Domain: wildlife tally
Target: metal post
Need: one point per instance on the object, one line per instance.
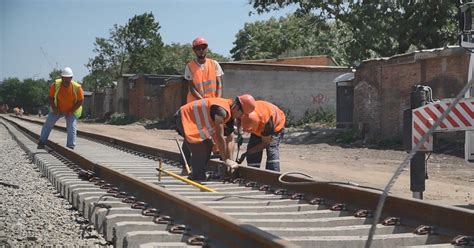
(417, 163)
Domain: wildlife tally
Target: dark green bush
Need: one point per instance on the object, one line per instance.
(318, 116)
(348, 137)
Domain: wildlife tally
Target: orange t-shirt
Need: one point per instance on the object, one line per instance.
(66, 99)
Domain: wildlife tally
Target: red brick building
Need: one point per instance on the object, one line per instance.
(382, 87)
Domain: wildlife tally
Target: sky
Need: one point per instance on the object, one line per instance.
(37, 36)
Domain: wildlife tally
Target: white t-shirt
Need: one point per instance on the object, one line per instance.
(189, 76)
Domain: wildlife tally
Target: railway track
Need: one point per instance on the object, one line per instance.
(114, 184)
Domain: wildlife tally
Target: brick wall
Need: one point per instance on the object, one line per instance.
(382, 87)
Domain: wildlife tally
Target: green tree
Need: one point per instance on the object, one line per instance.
(55, 74)
(134, 48)
(9, 91)
(29, 94)
(293, 35)
(382, 28)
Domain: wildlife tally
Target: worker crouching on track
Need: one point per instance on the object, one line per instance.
(266, 126)
(65, 99)
(207, 121)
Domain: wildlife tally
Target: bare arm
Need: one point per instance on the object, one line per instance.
(219, 87)
(193, 90)
(221, 143)
(260, 146)
(77, 105)
(52, 105)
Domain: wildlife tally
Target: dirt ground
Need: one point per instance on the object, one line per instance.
(315, 152)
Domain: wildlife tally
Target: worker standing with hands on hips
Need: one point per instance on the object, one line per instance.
(206, 122)
(266, 127)
(65, 100)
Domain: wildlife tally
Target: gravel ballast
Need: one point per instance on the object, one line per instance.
(32, 213)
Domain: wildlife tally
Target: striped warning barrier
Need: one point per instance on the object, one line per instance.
(460, 118)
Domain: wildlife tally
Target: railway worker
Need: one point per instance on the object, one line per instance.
(204, 78)
(266, 127)
(203, 74)
(65, 99)
(206, 122)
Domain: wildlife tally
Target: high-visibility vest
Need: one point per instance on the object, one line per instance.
(197, 122)
(75, 88)
(265, 111)
(204, 81)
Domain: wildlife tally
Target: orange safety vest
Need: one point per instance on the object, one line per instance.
(197, 122)
(265, 111)
(204, 81)
(75, 87)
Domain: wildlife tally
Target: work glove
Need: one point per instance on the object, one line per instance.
(240, 139)
(242, 158)
(231, 165)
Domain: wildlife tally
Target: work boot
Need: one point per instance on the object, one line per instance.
(40, 145)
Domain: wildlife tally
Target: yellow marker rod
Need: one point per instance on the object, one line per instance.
(161, 168)
(190, 182)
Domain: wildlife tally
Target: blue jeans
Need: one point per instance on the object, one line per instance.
(273, 152)
(71, 126)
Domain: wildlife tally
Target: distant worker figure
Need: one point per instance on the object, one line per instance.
(203, 74)
(207, 121)
(266, 126)
(65, 99)
(16, 111)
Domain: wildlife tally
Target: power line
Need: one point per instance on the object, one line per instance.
(46, 57)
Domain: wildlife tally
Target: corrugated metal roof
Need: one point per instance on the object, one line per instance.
(344, 77)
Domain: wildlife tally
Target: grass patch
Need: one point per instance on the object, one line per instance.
(348, 137)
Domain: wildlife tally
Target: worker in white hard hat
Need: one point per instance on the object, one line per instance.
(65, 100)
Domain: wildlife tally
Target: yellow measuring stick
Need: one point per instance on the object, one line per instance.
(190, 182)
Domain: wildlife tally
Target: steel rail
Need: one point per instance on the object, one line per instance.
(448, 220)
(217, 226)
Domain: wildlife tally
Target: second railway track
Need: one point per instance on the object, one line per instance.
(114, 184)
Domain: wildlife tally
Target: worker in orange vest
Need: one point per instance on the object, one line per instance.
(203, 74)
(204, 79)
(266, 127)
(65, 99)
(206, 122)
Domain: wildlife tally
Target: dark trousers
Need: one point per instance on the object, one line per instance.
(273, 152)
(198, 154)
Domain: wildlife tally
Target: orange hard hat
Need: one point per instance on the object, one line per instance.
(199, 41)
(250, 122)
(247, 103)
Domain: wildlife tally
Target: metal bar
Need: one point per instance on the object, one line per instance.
(190, 182)
(220, 228)
(184, 157)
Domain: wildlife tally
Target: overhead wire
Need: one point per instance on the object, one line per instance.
(413, 151)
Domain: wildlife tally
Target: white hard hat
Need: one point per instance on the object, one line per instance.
(66, 72)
